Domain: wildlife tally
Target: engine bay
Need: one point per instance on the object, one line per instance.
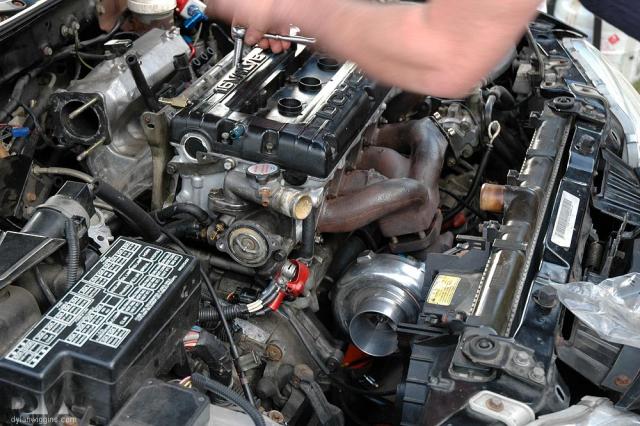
(184, 241)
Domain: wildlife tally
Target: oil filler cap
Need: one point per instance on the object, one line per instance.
(263, 172)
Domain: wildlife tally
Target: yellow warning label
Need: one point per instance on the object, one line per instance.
(443, 289)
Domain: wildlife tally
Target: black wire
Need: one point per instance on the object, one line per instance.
(224, 33)
(33, 115)
(44, 287)
(474, 186)
(235, 354)
(96, 56)
(462, 201)
(217, 388)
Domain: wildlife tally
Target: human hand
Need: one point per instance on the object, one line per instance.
(255, 36)
(258, 17)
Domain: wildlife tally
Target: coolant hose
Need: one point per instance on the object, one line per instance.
(148, 227)
(217, 388)
(170, 212)
(73, 253)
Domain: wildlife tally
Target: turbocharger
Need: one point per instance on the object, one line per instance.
(376, 294)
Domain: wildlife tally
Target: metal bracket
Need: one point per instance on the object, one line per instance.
(499, 353)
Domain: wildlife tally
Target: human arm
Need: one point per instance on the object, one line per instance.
(442, 48)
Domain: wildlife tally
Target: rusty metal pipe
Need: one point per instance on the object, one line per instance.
(426, 146)
(411, 156)
(355, 210)
(492, 198)
(387, 161)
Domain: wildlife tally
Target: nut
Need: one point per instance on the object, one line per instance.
(521, 358)
(229, 164)
(494, 404)
(273, 352)
(622, 381)
(537, 374)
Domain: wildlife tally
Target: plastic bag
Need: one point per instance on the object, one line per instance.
(611, 308)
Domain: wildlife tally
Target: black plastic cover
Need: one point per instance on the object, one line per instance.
(299, 110)
(164, 404)
(122, 323)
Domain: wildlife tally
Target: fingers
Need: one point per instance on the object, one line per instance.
(253, 37)
(256, 17)
(285, 30)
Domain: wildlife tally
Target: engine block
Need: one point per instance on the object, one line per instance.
(299, 110)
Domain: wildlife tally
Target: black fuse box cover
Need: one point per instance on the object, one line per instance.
(300, 110)
(158, 403)
(121, 324)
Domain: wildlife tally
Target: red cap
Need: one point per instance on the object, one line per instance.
(181, 4)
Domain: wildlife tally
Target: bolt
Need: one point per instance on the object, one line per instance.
(265, 194)
(537, 374)
(276, 416)
(521, 358)
(171, 168)
(332, 364)
(31, 197)
(274, 353)
(622, 381)
(545, 297)
(84, 154)
(494, 404)
(17, 403)
(47, 51)
(484, 343)
(75, 114)
(229, 164)
(563, 102)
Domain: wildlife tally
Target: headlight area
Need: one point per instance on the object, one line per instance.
(623, 98)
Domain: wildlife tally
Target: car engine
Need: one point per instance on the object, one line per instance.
(184, 241)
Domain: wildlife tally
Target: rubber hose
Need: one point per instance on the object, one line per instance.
(148, 227)
(308, 236)
(504, 98)
(16, 94)
(170, 212)
(217, 388)
(209, 314)
(73, 253)
(345, 256)
(150, 99)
